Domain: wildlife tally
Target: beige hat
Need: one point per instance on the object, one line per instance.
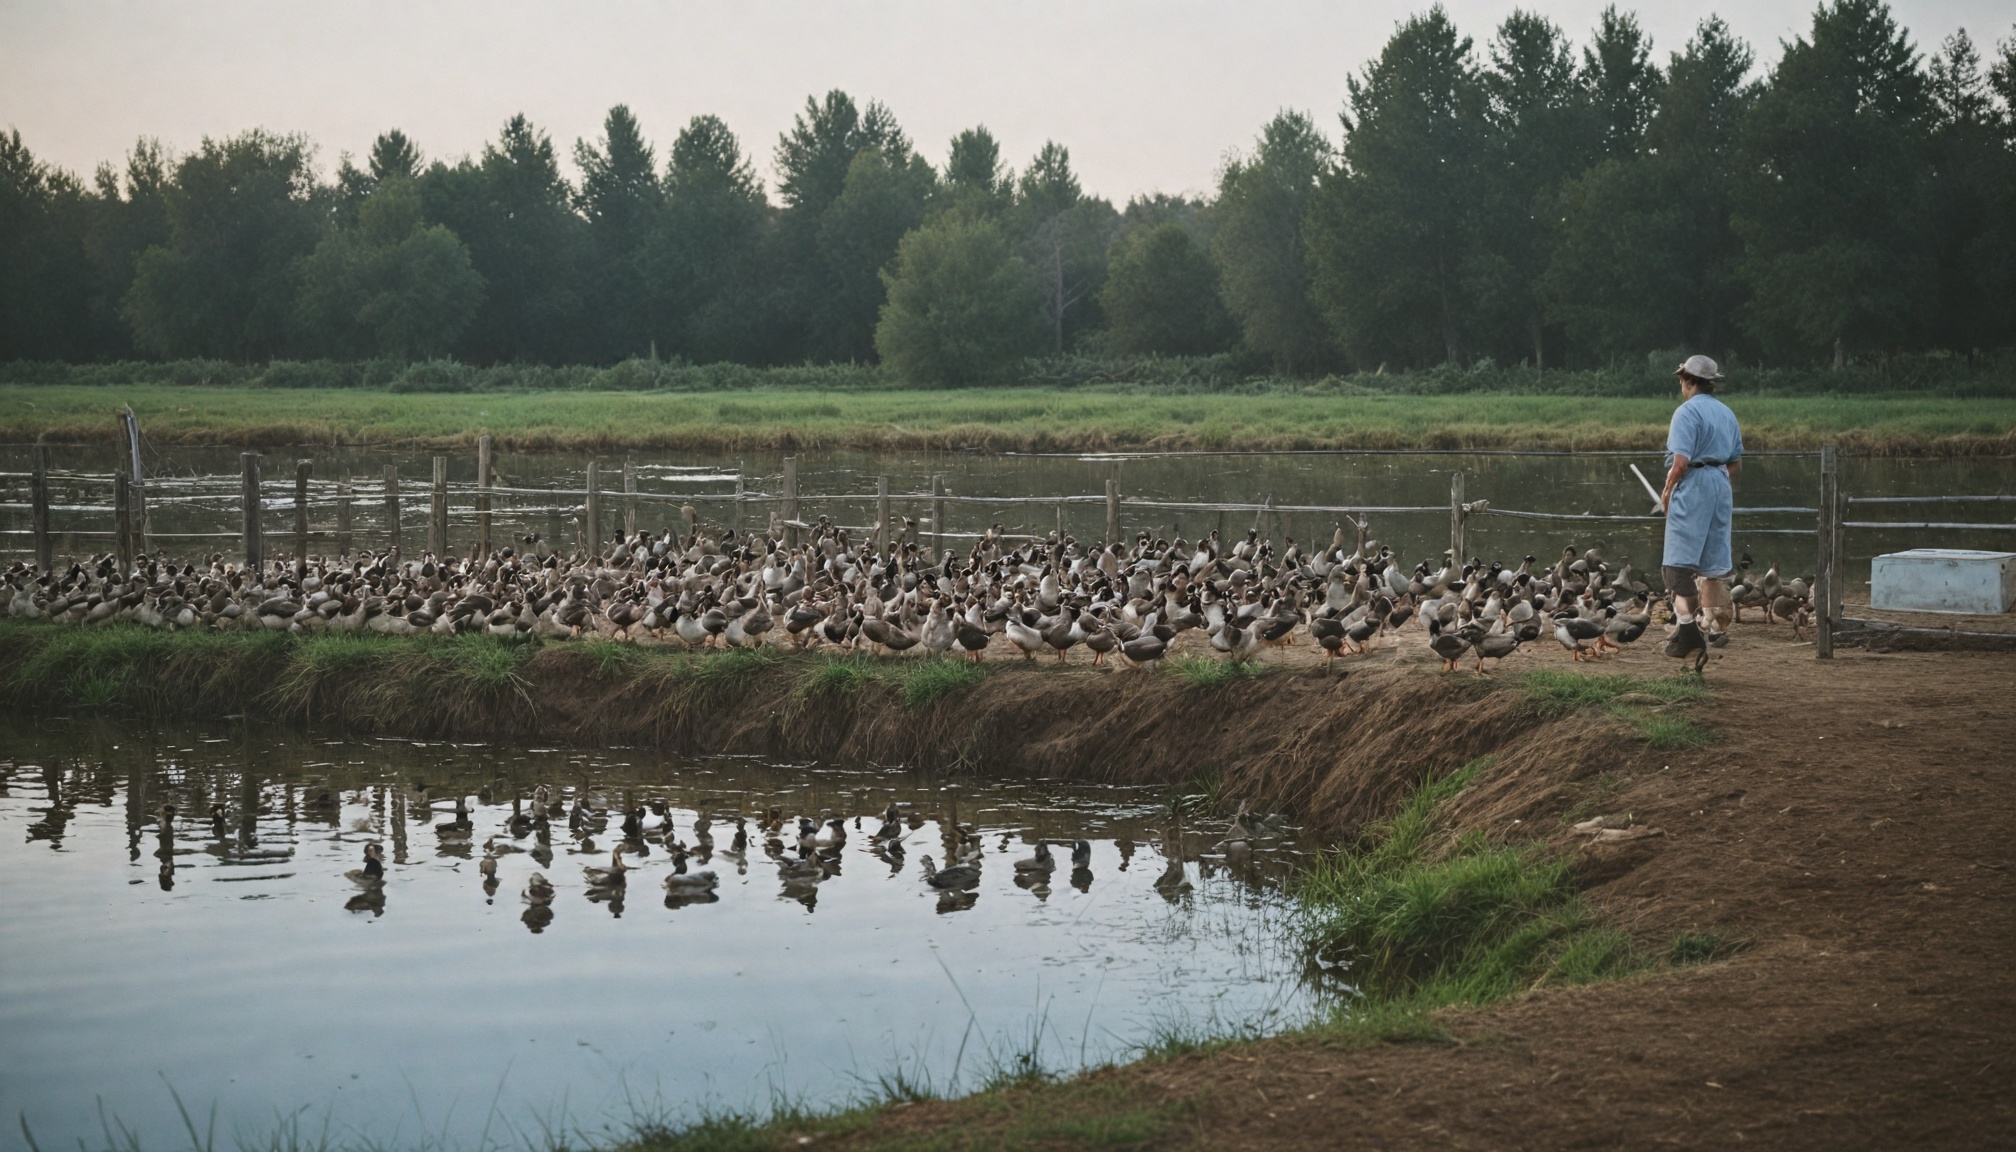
(1700, 368)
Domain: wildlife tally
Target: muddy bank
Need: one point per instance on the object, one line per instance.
(1330, 750)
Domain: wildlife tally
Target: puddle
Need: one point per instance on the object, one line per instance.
(236, 961)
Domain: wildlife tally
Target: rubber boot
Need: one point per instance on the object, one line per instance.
(1686, 641)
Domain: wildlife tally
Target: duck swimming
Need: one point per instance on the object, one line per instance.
(373, 871)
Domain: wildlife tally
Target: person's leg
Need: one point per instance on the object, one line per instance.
(1683, 585)
(1717, 610)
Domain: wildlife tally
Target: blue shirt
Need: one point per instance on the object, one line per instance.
(1704, 429)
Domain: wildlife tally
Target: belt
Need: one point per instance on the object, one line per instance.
(1706, 464)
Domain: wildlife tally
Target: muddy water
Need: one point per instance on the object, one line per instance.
(842, 485)
(232, 959)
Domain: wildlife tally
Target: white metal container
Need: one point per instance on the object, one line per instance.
(1944, 580)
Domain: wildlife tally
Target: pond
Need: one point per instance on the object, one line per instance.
(233, 963)
(842, 484)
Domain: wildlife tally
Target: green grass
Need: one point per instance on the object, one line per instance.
(1555, 692)
(1273, 417)
(918, 680)
(1207, 672)
(1415, 918)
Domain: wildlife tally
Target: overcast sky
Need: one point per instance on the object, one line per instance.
(1147, 96)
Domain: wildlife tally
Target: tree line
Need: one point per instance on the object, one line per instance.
(1526, 202)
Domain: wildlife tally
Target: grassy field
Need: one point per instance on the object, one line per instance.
(1022, 419)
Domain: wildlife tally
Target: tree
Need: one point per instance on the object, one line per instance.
(126, 219)
(1393, 235)
(1622, 82)
(974, 179)
(393, 156)
(620, 197)
(46, 279)
(883, 198)
(1064, 235)
(1161, 296)
(704, 256)
(514, 211)
(1836, 253)
(241, 214)
(1263, 203)
(389, 286)
(962, 308)
(1972, 204)
(1646, 257)
(1544, 133)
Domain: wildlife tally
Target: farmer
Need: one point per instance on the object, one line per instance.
(1704, 452)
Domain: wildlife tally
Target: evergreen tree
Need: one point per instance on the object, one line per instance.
(962, 309)
(1972, 211)
(1064, 237)
(1833, 217)
(974, 179)
(620, 197)
(514, 212)
(1263, 259)
(46, 278)
(1395, 230)
(704, 257)
(1622, 82)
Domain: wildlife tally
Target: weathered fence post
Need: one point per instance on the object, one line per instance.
(302, 470)
(392, 507)
(38, 487)
(556, 530)
(937, 515)
(129, 424)
(629, 501)
(883, 544)
(1457, 515)
(1060, 523)
(1112, 511)
(591, 530)
(483, 483)
(735, 513)
(1827, 566)
(437, 511)
(122, 522)
(343, 519)
(248, 500)
(790, 501)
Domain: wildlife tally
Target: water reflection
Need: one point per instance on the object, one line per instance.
(446, 897)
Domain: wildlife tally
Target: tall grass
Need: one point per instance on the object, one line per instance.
(1415, 918)
(1206, 672)
(918, 680)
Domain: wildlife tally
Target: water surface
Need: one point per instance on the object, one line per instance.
(234, 961)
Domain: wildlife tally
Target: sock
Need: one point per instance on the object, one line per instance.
(1683, 619)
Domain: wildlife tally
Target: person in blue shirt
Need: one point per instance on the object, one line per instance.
(1704, 454)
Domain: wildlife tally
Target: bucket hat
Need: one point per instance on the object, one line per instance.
(1700, 368)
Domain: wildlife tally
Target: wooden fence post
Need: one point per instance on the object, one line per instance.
(302, 470)
(735, 513)
(248, 499)
(392, 507)
(1457, 516)
(1828, 567)
(122, 521)
(556, 530)
(790, 501)
(343, 519)
(437, 511)
(136, 500)
(883, 544)
(1112, 511)
(483, 482)
(591, 531)
(38, 486)
(1060, 523)
(937, 515)
(629, 501)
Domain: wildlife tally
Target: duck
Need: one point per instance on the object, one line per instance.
(538, 890)
(1577, 634)
(956, 877)
(1448, 646)
(1495, 646)
(612, 876)
(691, 882)
(372, 873)
(1042, 861)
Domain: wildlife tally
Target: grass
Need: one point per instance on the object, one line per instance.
(1555, 692)
(1415, 918)
(1206, 672)
(918, 680)
(1282, 416)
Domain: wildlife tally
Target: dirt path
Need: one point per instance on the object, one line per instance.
(1854, 824)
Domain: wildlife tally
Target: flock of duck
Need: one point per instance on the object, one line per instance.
(1130, 601)
(805, 851)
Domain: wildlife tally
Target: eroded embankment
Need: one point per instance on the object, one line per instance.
(1330, 750)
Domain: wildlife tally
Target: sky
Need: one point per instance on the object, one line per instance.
(1147, 96)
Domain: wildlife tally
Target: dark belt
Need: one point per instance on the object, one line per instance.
(1706, 464)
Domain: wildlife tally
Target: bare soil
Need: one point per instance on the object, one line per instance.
(1853, 824)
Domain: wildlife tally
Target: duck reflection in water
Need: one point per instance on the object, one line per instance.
(166, 852)
(1081, 866)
